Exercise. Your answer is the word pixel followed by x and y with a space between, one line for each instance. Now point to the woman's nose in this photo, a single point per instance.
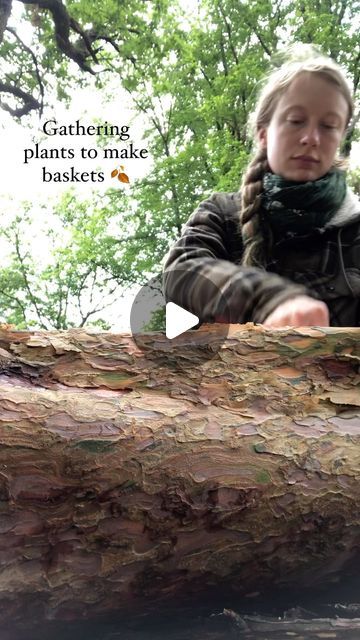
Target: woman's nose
pixel 311 136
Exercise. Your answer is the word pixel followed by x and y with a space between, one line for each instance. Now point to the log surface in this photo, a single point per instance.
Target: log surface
pixel 133 477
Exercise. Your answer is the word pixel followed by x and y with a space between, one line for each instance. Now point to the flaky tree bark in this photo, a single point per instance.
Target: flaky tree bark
pixel 136 475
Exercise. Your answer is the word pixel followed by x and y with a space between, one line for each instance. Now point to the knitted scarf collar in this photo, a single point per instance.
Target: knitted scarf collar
pixel 297 208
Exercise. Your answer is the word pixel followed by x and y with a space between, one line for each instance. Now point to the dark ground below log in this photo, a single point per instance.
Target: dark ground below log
pixel 333 613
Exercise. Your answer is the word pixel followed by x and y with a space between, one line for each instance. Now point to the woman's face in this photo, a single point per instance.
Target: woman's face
pixel 306 129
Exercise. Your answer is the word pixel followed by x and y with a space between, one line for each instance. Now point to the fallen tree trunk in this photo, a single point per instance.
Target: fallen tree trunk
pixel 129 479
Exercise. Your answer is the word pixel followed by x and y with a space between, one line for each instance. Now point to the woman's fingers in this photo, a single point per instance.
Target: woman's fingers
pixel 299 311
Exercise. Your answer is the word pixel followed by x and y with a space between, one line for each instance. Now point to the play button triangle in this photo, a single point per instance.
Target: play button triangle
pixel 178 320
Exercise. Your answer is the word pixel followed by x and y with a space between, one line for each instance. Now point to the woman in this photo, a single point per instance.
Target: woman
pixel 285 250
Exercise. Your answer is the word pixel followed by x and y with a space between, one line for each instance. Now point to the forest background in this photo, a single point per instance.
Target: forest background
pixel 191 72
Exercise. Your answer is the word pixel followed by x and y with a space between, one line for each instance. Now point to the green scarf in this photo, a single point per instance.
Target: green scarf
pixel 296 208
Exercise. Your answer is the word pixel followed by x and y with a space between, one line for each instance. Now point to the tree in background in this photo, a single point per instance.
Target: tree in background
pixel 67 43
pixel 68 285
pixel 194 78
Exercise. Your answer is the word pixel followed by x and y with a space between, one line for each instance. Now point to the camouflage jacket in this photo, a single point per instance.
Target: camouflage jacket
pixel 203 273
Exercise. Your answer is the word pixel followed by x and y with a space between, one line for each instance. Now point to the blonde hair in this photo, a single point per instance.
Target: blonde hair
pixel 298 58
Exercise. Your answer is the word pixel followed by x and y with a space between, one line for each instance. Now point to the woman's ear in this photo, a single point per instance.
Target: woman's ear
pixel 262 137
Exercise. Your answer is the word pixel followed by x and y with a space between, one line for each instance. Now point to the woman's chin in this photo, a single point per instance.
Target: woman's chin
pixel 303 175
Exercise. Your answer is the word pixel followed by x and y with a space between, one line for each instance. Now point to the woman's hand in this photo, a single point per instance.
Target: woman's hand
pixel 300 311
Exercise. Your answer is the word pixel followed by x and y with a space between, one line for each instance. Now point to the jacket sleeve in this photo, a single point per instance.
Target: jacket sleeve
pixel 199 276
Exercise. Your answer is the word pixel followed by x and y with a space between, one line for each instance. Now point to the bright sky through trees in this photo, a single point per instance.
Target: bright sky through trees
pixel 184 78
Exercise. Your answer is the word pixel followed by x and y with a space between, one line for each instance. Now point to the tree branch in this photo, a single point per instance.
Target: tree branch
pixel 37 72
pixel 64 24
pixel 93 36
pixel 97 309
pixel 341 13
pixel 30 102
pixel 17 301
pixel 26 281
pixel 5 11
pixel 260 38
pixel 228 30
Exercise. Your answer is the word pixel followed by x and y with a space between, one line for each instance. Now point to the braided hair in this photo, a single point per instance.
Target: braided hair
pixel 251 189
pixel 299 58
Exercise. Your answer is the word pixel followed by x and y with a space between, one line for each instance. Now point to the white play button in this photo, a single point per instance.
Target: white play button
pixel 178 320
pixel 156 326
